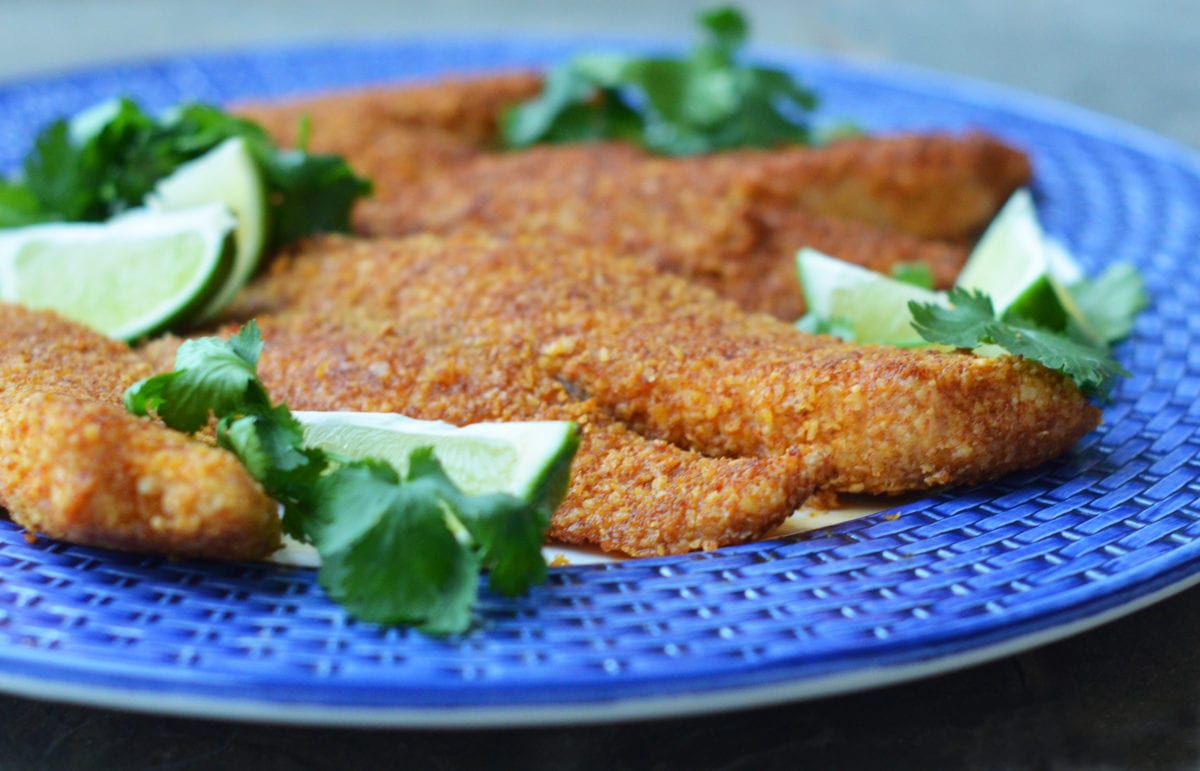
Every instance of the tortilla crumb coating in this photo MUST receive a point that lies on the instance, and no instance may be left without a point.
(732, 221)
(399, 134)
(89, 473)
(674, 362)
(75, 465)
(628, 493)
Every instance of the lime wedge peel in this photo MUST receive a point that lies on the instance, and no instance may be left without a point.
(226, 174)
(1014, 262)
(526, 459)
(129, 277)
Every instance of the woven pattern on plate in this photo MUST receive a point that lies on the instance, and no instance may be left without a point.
(1115, 520)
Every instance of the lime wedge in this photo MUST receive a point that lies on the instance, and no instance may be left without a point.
(128, 277)
(874, 307)
(225, 174)
(1020, 268)
(527, 459)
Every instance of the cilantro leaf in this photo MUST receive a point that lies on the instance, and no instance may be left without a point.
(700, 103)
(1088, 365)
(914, 273)
(211, 376)
(271, 448)
(393, 551)
(109, 157)
(509, 537)
(387, 554)
(971, 321)
(19, 206)
(965, 324)
(1111, 300)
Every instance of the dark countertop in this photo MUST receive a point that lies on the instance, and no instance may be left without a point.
(1125, 695)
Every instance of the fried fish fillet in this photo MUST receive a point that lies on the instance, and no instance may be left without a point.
(398, 135)
(677, 363)
(628, 493)
(732, 221)
(75, 465)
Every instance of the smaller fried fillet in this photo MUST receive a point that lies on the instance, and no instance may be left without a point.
(88, 472)
(75, 465)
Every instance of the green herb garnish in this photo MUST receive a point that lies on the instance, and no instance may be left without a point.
(971, 321)
(914, 274)
(704, 102)
(108, 158)
(1111, 301)
(393, 550)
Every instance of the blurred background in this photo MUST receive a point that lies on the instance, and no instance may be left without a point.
(1139, 61)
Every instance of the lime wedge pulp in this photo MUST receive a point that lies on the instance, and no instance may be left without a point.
(1020, 268)
(129, 277)
(874, 307)
(226, 174)
(527, 459)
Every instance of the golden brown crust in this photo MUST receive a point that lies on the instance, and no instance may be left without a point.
(677, 363)
(90, 473)
(42, 351)
(732, 221)
(466, 106)
(75, 465)
(929, 185)
(397, 135)
(628, 493)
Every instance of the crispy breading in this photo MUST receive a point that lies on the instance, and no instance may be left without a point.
(733, 221)
(675, 362)
(397, 135)
(628, 493)
(75, 465)
(466, 106)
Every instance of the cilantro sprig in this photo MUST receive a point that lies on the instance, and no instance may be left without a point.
(394, 550)
(971, 321)
(703, 102)
(108, 158)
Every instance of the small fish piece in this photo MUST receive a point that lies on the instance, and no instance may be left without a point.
(75, 465)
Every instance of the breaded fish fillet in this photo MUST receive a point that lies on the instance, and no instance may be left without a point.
(677, 363)
(732, 221)
(398, 135)
(75, 465)
(628, 493)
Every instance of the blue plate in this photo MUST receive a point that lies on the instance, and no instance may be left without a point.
(955, 578)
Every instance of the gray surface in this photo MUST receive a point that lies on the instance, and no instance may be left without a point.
(1123, 696)
(1135, 59)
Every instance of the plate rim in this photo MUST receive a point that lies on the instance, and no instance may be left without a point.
(1031, 106)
